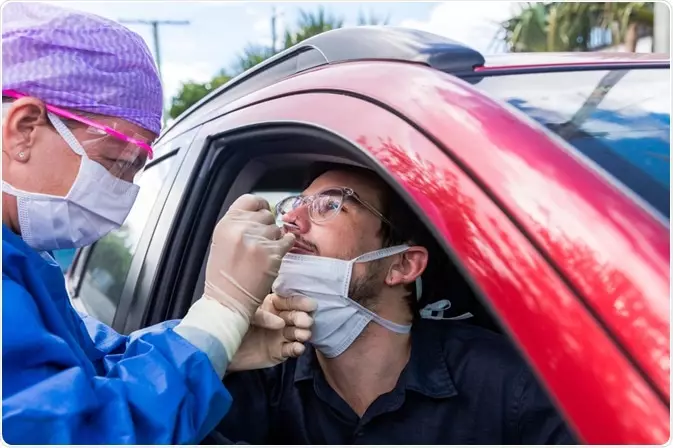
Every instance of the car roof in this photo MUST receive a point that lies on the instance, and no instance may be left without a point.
(519, 60)
(384, 43)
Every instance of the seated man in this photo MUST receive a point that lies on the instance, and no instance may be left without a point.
(369, 376)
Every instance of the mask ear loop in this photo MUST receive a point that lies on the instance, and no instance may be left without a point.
(67, 135)
(389, 252)
(370, 256)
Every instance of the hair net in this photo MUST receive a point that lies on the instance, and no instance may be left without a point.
(77, 60)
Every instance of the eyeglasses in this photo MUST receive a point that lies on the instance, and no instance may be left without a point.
(325, 205)
(91, 123)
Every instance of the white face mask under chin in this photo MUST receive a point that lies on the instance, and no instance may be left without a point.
(338, 320)
(97, 203)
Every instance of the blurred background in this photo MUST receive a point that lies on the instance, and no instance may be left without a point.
(200, 46)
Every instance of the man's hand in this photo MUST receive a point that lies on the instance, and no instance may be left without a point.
(278, 330)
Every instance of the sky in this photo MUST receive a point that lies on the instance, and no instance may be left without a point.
(219, 31)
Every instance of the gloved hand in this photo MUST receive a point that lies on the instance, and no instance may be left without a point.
(245, 255)
(278, 329)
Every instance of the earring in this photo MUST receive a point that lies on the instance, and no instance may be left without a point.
(21, 155)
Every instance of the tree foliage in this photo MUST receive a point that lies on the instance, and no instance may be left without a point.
(192, 92)
(568, 26)
(308, 25)
(311, 24)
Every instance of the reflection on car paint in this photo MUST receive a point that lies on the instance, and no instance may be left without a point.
(543, 315)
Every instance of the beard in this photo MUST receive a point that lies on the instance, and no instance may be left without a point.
(366, 289)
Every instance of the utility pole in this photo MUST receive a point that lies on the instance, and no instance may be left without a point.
(274, 37)
(155, 35)
(661, 38)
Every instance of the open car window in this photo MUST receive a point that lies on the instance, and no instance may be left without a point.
(620, 119)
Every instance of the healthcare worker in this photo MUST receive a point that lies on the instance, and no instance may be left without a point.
(82, 102)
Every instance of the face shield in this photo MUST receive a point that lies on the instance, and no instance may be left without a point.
(122, 154)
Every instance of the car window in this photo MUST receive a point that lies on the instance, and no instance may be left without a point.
(110, 258)
(620, 119)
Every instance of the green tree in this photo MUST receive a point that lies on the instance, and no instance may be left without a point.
(251, 56)
(372, 19)
(311, 24)
(308, 25)
(626, 19)
(192, 92)
(567, 26)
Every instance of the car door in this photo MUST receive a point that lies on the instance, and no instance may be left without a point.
(538, 311)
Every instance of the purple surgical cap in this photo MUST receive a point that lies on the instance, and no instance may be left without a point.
(78, 60)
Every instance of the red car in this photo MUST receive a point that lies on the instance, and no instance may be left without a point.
(545, 178)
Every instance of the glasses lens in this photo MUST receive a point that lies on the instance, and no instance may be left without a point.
(326, 205)
(286, 206)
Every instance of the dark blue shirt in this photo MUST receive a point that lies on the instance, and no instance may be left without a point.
(462, 385)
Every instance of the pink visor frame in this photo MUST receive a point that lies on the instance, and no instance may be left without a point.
(69, 115)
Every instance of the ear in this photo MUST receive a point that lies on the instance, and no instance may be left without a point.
(408, 266)
(20, 125)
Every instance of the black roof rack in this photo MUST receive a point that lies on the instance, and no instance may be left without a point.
(396, 44)
(342, 45)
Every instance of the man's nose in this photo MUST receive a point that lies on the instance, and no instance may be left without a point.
(297, 220)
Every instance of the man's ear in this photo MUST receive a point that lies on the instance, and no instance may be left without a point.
(20, 124)
(408, 266)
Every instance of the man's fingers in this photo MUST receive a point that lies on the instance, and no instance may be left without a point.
(297, 319)
(298, 303)
(265, 319)
(296, 334)
(292, 349)
(251, 203)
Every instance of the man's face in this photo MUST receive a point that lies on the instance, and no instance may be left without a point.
(352, 232)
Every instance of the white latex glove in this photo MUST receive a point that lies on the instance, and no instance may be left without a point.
(245, 255)
(278, 330)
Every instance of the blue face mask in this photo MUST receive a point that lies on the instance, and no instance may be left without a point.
(338, 320)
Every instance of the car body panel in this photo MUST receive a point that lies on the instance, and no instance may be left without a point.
(601, 392)
(581, 220)
(576, 269)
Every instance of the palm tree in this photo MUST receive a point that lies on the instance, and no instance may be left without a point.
(568, 26)
(312, 24)
(526, 31)
(363, 19)
(308, 25)
(626, 21)
(251, 56)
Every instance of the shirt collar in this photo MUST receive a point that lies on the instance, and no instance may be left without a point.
(426, 372)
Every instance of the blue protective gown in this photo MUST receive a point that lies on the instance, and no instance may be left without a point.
(62, 386)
